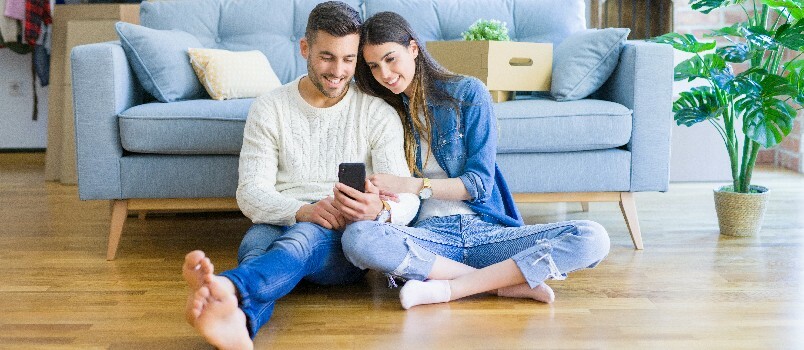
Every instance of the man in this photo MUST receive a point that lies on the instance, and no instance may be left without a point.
(294, 139)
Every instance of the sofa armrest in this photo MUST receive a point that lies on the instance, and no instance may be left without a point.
(103, 86)
(643, 82)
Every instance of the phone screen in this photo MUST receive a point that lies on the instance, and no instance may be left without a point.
(353, 175)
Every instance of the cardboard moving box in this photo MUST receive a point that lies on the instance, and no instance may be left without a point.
(504, 66)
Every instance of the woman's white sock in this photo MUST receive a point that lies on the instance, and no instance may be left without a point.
(417, 293)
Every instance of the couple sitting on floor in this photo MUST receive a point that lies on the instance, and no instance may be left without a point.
(405, 115)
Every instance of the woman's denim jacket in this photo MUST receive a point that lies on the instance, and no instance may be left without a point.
(466, 148)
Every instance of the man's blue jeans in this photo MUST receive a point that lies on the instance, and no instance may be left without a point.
(273, 260)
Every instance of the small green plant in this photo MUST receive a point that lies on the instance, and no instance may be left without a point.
(484, 29)
(763, 100)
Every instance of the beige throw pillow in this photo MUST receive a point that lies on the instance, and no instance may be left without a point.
(233, 74)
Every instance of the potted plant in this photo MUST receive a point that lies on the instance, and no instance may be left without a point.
(487, 29)
(762, 101)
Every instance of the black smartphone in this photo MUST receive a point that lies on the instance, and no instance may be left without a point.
(353, 175)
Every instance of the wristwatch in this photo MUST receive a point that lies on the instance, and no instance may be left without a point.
(427, 190)
(385, 213)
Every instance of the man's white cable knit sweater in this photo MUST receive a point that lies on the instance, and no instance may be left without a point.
(291, 152)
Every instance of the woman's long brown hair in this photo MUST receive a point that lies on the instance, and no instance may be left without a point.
(385, 27)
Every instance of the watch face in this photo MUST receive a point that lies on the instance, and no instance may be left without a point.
(426, 193)
(384, 216)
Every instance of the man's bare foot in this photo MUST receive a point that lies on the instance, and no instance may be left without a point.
(196, 269)
(542, 292)
(215, 313)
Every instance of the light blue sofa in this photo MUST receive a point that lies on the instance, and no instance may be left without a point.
(146, 155)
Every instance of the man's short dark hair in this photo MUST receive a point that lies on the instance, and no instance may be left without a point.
(333, 17)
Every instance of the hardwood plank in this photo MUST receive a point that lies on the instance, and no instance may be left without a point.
(692, 289)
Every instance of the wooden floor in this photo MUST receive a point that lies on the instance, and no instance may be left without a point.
(690, 288)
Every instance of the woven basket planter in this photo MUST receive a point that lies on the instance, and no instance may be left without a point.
(741, 214)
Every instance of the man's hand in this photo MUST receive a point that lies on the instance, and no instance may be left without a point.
(322, 213)
(355, 205)
(396, 184)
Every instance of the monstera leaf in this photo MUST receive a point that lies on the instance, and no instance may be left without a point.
(744, 83)
(759, 37)
(696, 105)
(697, 67)
(767, 119)
(795, 8)
(733, 30)
(796, 79)
(707, 6)
(736, 53)
(684, 42)
(791, 36)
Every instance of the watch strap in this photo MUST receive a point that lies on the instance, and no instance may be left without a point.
(386, 208)
(425, 185)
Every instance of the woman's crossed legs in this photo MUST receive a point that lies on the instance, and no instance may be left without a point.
(459, 256)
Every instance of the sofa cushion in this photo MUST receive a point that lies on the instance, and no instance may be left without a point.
(584, 171)
(229, 74)
(185, 127)
(543, 125)
(271, 26)
(160, 62)
(583, 62)
(548, 21)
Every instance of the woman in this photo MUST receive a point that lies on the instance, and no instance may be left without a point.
(467, 219)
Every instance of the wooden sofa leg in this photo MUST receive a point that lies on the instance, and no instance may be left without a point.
(119, 214)
(628, 207)
(585, 206)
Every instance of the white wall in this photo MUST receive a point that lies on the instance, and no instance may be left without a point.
(17, 129)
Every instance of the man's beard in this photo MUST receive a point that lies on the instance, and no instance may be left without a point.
(315, 79)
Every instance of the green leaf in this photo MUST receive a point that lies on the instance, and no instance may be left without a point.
(743, 85)
(765, 120)
(794, 66)
(707, 6)
(684, 42)
(797, 83)
(774, 85)
(795, 76)
(760, 37)
(795, 8)
(746, 82)
(697, 67)
(791, 36)
(697, 105)
(690, 69)
(723, 78)
(736, 53)
(732, 30)
(487, 30)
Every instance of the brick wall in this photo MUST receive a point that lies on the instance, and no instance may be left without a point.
(790, 153)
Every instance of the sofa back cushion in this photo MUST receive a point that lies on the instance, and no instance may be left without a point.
(159, 60)
(271, 26)
(547, 21)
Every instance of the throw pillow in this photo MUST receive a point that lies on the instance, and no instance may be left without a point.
(583, 62)
(159, 60)
(229, 74)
